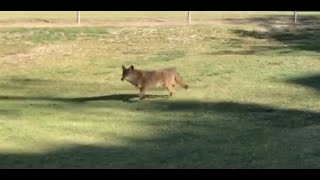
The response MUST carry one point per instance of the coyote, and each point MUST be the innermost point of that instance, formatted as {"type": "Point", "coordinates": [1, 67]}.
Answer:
{"type": "Point", "coordinates": [145, 79]}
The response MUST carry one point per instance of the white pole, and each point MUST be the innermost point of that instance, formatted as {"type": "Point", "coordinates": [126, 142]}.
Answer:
{"type": "Point", "coordinates": [295, 17]}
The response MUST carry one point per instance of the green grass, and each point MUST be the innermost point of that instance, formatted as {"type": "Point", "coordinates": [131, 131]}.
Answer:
{"type": "Point", "coordinates": [253, 100]}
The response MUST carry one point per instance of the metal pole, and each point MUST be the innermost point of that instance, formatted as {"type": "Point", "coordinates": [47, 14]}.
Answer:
{"type": "Point", "coordinates": [295, 17]}
{"type": "Point", "coordinates": [189, 17]}
{"type": "Point", "coordinates": [78, 17]}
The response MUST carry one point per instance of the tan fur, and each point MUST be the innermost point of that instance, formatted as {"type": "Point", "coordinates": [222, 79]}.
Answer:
{"type": "Point", "coordinates": [144, 79]}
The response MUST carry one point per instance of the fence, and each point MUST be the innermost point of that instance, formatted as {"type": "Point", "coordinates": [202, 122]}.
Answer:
{"type": "Point", "coordinates": [182, 17]}
{"type": "Point", "coordinates": [295, 17]}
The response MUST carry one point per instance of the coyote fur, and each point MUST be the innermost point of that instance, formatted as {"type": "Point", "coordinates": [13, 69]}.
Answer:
{"type": "Point", "coordinates": [146, 79]}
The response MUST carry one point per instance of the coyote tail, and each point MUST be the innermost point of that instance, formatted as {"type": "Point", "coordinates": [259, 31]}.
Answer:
{"type": "Point", "coordinates": [180, 81]}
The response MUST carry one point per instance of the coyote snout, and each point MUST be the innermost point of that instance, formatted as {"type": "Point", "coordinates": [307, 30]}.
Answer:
{"type": "Point", "coordinates": [144, 79]}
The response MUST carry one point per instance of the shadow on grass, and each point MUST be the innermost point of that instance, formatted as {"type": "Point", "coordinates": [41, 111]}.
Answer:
{"type": "Point", "coordinates": [192, 134]}
{"type": "Point", "coordinates": [297, 38]}
{"type": "Point", "coordinates": [256, 49]}
{"type": "Point", "coordinates": [276, 20]}
{"type": "Point", "coordinates": [311, 81]}
{"type": "Point", "coordinates": [10, 112]}
{"type": "Point", "coordinates": [38, 85]}
{"type": "Point", "coordinates": [158, 103]}
{"type": "Point", "coordinates": [290, 38]}
{"type": "Point", "coordinates": [168, 55]}
{"type": "Point", "coordinates": [113, 97]}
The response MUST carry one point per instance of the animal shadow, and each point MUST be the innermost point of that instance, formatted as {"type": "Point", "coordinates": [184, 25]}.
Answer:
{"type": "Point", "coordinates": [116, 97]}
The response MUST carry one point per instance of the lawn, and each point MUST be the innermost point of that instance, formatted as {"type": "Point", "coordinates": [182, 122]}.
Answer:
{"type": "Point", "coordinates": [253, 101]}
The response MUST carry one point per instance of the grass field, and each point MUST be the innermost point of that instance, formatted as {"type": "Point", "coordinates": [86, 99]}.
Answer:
{"type": "Point", "coordinates": [253, 102]}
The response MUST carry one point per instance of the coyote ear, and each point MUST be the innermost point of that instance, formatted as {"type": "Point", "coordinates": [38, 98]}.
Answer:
{"type": "Point", "coordinates": [123, 67]}
{"type": "Point", "coordinates": [131, 67]}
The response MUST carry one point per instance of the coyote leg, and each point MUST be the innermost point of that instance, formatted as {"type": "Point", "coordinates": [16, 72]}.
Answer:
{"type": "Point", "coordinates": [142, 93]}
{"type": "Point", "coordinates": [171, 90]}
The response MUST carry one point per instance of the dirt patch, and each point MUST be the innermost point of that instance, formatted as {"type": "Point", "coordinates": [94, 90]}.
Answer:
{"type": "Point", "coordinates": [155, 22]}
{"type": "Point", "coordinates": [35, 53]}
{"type": "Point", "coordinates": [144, 22]}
